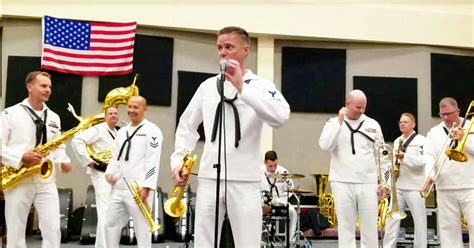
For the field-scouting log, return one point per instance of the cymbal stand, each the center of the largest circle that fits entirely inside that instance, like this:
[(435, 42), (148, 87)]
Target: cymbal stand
[(287, 181), (296, 242)]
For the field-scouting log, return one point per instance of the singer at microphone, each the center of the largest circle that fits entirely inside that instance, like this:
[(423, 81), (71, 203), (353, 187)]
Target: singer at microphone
[(238, 120)]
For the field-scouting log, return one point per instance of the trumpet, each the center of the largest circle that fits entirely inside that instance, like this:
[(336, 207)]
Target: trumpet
[(143, 206), (175, 206), (429, 183)]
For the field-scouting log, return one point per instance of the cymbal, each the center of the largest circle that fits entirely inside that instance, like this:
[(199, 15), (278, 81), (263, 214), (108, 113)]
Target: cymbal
[(301, 191), (285, 176)]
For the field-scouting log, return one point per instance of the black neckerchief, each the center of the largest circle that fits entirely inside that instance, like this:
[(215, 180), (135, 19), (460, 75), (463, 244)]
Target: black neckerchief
[(129, 142), (111, 134), (353, 131), (217, 116), (273, 186), (403, 148), (39, 123)]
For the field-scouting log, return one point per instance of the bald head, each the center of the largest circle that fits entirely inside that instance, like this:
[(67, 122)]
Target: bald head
[(356, 102), (356, 95), (136, 109)]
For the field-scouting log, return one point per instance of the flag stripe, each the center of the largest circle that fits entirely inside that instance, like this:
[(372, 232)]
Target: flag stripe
[(88, 72), (57, 58), (100, 48), (113, 24), (110, 32), (77, 53), (88, 64), (112, 39), (85, 69), (112, 44), (88, 48)]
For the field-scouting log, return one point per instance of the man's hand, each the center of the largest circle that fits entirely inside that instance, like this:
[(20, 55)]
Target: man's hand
[(383, 192), (457, 133), (143, 192), (429, 184), (66, 167), (234, 74), (399, 155), (111, 179), (31, 157), (93, 165), (341, 114), (180, 175)]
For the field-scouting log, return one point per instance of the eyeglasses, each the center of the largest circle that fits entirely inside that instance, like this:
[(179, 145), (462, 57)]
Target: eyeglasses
[(447, 114), (403, 122)]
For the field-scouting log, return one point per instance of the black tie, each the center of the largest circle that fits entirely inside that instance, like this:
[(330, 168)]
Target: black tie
[(40, 125), (353, 131), (273, 186), (129, 142), (218, 114)]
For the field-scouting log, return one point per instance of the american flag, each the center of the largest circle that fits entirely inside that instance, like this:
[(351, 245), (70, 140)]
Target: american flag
[(88, 48)]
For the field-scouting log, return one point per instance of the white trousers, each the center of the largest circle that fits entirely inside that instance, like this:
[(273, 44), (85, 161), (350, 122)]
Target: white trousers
[(451, 203), (121, 207), (103, 190), (352, 199), (18, 202), (244, 211), (408, 199)]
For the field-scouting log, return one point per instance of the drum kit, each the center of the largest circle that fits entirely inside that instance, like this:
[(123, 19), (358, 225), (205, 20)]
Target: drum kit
[(274, 211)]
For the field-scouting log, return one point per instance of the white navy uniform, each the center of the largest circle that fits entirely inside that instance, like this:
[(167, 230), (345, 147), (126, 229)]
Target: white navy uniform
[(353, 177), (100, 138), (409, 182), (454, 186), (18, 136), (259, 102), (137, 160), (280, 195)]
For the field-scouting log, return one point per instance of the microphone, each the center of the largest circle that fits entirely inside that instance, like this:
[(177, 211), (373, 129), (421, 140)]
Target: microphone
[(222, 68)]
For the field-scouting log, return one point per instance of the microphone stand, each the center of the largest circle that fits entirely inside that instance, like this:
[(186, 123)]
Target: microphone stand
[(217, 166)]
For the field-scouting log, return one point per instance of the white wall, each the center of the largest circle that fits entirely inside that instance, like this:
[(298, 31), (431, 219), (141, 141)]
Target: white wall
[(433, 22)]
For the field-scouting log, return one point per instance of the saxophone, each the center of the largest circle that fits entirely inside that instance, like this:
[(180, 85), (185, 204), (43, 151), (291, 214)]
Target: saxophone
[(143, 206), (114, 98), (11, 176), (102, 158), (120, 95), (175, 206)]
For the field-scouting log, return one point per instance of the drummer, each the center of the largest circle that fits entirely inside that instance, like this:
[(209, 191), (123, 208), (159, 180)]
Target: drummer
[(279, 188)]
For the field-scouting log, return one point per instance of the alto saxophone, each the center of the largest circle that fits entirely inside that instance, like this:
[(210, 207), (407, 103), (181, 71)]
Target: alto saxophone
[(143, 206), (102, 158), (175, 206), (11, 176)]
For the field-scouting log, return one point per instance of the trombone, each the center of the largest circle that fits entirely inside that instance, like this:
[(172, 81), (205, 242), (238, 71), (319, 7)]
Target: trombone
[(454, 152), (425, 190)]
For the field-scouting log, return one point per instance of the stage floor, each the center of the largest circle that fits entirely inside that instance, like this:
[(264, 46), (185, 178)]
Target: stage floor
[(34, 241)]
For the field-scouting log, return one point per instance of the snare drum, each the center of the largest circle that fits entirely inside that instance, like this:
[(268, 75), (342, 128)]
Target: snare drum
[(266, 200)]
